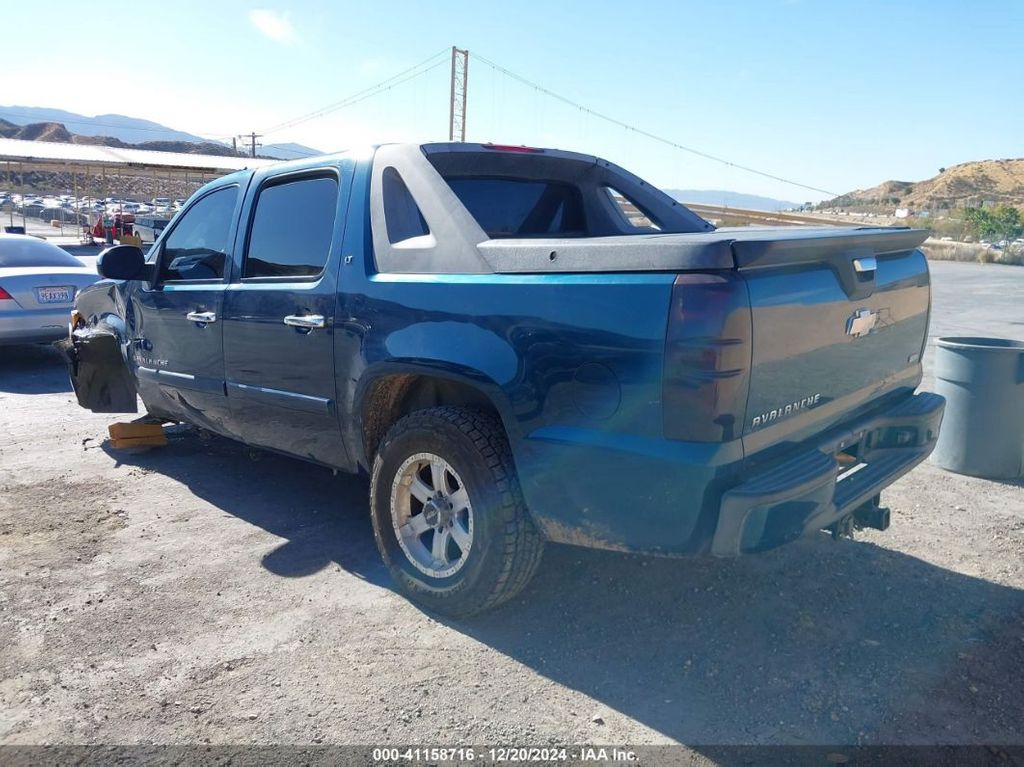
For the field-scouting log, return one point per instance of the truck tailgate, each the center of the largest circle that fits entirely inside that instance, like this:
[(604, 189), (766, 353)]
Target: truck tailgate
[(839, 321)]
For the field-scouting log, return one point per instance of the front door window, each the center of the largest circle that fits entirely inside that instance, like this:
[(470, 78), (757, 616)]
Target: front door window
[(197, 247)]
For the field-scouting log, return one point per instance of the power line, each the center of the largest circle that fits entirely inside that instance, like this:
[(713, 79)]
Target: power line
[(646, 134), (253, 144), (397, 79)]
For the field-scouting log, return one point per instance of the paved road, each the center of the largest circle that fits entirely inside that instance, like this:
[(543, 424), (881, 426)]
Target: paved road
[(974, 300), (977, 299), (194, 594)]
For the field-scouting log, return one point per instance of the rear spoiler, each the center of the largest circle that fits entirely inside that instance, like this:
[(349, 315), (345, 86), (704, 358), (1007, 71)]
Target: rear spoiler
[(821, 245)]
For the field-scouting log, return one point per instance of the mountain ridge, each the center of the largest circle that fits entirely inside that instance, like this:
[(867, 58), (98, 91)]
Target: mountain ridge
[(57, 132), (134, 132), (969, 184)]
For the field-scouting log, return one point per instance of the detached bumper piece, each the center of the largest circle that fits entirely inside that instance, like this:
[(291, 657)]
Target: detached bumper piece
[(811, 491), (99, 376)]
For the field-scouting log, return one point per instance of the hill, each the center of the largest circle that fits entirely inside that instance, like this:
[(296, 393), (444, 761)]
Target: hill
[(129, 131), (289, 151), (50, 131), (730, 199), (969, 184), (35, 132)]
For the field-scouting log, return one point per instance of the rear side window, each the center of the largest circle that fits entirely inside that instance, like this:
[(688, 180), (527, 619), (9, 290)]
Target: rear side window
[(402, 214), (292, 228), (197, 248), (510, 207), (632, 214)]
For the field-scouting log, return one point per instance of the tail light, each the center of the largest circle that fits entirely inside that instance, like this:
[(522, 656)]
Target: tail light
[(5, 296), (707, 358), (513, 148)]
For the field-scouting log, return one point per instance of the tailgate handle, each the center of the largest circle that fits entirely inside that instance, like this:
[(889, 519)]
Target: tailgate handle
[(865, 264)]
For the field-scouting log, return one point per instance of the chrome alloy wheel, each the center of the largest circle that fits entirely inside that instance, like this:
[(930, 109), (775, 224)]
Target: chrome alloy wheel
[(431, 515)]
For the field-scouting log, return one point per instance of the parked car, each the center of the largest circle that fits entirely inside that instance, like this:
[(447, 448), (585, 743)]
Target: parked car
[(149, 227), (38, 286), (161, 205), (61, 213), (485, 332)]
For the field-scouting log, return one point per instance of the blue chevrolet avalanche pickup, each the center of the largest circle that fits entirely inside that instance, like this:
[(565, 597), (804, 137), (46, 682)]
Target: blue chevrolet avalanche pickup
[(523, 345)]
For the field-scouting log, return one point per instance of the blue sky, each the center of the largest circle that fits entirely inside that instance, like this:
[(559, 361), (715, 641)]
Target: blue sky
[(837, 95)]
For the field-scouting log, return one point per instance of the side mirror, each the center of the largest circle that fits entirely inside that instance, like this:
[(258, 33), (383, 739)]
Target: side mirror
[(123, 262)]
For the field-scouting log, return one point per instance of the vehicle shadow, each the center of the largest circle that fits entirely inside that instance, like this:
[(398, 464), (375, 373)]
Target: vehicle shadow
[(816, 643), (33, 369), (819, 642), (322, 518)]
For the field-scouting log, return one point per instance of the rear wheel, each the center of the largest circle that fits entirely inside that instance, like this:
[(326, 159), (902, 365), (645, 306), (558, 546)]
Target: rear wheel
[(448, 516)]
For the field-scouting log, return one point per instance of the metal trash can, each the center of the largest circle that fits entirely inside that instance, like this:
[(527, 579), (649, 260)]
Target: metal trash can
[(982, 431)]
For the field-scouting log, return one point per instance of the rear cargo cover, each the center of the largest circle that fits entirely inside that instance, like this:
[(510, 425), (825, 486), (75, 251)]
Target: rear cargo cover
[(742, 248)]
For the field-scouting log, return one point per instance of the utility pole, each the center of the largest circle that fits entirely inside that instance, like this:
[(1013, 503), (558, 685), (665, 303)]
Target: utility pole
[(457, 104), (251, 140)]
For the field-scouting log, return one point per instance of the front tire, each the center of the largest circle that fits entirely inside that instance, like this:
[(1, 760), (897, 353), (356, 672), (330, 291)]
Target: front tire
[(448, 515)]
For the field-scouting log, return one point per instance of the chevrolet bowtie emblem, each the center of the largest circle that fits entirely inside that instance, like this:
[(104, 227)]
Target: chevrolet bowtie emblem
[(861, 323)]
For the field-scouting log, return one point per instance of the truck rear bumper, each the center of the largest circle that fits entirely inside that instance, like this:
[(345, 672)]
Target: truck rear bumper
[(807, 491)]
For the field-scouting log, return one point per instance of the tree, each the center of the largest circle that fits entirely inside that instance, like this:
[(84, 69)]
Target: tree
[(1002, 223), (1007, 223)]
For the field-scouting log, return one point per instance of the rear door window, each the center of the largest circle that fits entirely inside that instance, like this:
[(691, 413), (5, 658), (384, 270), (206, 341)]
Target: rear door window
[(292, 228), (197, 247), (510, 207)]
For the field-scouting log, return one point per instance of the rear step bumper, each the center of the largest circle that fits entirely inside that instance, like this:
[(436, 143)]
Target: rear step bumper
[(804, 493)]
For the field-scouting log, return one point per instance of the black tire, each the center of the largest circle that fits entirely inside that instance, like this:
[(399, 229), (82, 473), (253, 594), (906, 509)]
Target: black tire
[(506, 545)]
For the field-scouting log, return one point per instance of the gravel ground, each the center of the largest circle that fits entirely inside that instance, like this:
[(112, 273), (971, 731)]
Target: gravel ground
[(204, 593)]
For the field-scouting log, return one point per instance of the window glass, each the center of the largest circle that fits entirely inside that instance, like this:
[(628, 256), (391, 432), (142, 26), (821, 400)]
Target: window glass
[(292, 228), (632, 213), (18, 251), (197, 248), (510, 207), (402, 214)]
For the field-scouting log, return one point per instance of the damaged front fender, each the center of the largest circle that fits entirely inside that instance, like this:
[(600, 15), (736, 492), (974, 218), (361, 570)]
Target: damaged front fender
[(102, 381)]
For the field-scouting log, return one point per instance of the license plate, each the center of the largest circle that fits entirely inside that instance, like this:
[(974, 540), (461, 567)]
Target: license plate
[(55, 295)]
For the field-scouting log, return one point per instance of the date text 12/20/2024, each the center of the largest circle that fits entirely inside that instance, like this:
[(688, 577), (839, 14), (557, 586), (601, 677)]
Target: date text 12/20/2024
[(498, 755)]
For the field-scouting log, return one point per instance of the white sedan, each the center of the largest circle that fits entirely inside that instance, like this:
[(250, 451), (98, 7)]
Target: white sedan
[(38, 285)]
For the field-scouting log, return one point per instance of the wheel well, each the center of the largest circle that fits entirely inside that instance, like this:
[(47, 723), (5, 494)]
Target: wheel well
[(395, 396)]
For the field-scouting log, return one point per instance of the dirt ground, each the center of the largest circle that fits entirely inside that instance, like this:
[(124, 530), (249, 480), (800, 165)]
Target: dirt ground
[(206, 594)]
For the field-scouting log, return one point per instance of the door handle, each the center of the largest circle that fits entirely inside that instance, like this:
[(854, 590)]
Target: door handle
[(308, 321), (203, 318), (865, 265)]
